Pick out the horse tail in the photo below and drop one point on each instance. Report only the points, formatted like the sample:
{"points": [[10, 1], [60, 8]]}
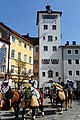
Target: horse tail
{"points": [[41, 97]]}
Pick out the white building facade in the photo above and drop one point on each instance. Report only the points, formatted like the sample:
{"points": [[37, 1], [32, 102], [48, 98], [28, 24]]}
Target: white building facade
{"points": [[71, 63], [49, 41]]}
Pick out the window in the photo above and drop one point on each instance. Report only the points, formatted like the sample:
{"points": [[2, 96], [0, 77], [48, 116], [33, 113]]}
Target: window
{"points": [[20, 42], [45, 61], [69, 51], [54, 61], [76, 61], [43, 37], [53, 27], [56, 74], [77, 72], [50, 38], [3, 69], [19, 70], [13, 39], [35, 61], [45, 48], [69, 61], [30, 59], [25, 45], [30, 48], [36, 49], [43, 74], [13, 53], [55, 38], [54, 48], [12, 68], [36, 74], [25, 58], [45, 27], [0, 35], [50, 74], [19, 56], [30, 70], [25, 71], [76, 51], [70, 73]]}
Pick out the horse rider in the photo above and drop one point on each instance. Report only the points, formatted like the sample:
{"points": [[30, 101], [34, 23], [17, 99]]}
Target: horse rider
{"points": [[70, 89], [33, 82], [34, 87], [60, 82], [67, 85], [6, 89]]}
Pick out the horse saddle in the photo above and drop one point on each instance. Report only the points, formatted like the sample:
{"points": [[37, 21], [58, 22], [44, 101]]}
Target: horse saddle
{"points": [[61, 95]]}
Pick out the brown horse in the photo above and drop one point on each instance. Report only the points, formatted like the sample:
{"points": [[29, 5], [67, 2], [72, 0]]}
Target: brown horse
{"points": [[14, 102]]}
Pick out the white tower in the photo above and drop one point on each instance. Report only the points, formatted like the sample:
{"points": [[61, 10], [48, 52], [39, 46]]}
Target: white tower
{"points": [[49, 40]]}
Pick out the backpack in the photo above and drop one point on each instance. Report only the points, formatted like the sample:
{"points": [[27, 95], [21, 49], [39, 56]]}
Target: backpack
{"points": [[28, 93]]}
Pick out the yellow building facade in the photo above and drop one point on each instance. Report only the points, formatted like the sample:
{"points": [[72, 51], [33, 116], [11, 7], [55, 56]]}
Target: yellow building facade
{"points": [[21, 54], [22, 51]]}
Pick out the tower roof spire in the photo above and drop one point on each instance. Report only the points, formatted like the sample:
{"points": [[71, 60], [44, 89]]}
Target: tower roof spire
{"points": [[47, 7]]}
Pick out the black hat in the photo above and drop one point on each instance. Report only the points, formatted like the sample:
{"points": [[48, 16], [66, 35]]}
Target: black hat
{"points": [[59, 78], [32, 75]]}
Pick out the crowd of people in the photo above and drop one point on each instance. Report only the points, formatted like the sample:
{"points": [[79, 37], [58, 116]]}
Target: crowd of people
{"points": [[68, 85], [32, 84], [6, 88]]}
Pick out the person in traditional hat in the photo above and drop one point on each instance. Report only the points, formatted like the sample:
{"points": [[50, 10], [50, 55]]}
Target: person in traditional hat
{"points": [[60, 82], [67, 84], [35, 94], [33, 82], [6, 89]]}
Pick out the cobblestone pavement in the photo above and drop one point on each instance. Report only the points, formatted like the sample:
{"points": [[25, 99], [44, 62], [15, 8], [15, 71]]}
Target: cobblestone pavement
{"points": [[71, 114], [50, 113]]}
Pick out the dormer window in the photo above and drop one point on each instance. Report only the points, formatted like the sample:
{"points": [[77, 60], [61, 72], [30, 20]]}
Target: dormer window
{"points": [[13, 39], [20, 42]]}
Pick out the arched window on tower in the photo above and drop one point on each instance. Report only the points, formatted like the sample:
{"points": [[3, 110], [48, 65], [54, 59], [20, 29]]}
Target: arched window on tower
{"points": [[50, 74]]}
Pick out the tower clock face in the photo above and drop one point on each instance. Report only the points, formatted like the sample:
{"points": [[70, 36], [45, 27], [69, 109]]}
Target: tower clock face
{"points": [[49, 11]]}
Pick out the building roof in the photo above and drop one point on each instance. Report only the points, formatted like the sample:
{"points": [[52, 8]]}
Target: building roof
{"points": [[4, 40], [12, 31], [35, 40], [70, 46], [47, 13]]}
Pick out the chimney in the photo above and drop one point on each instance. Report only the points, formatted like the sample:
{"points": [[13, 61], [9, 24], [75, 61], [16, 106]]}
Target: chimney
{"points": [[73, 42], [67, 43], [27, 34]]}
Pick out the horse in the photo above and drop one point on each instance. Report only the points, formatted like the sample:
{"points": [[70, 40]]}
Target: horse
{"points": [[33, 102], [59, 95], [70, 96], [14, 102]]}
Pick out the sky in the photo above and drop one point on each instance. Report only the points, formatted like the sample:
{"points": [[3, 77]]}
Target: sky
{"points": [[20, 15]]}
